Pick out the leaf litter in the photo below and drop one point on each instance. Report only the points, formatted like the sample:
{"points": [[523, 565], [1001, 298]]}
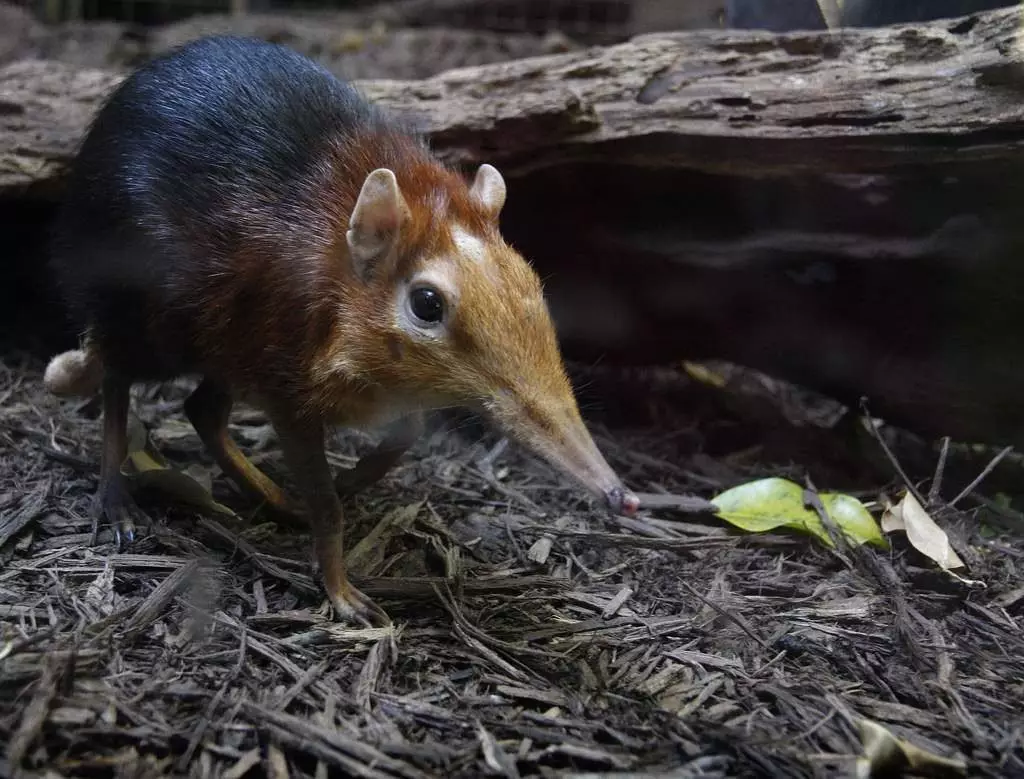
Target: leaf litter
{"points": [[533, 635]]}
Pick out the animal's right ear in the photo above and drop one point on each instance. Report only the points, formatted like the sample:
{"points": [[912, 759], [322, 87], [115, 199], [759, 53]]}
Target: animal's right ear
{"points": [[376, 222]]}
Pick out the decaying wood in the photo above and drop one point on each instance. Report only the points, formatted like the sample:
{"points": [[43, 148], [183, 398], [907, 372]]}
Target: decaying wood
{"points": [[844, 101], [582, 19], [838, 209]]}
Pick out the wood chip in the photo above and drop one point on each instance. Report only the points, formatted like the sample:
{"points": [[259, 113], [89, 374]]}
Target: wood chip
{"points": [[497, 760], [617, 602], [247, 761]]}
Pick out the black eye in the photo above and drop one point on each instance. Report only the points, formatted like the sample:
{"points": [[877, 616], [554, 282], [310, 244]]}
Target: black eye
{"points": [[427, 304]]}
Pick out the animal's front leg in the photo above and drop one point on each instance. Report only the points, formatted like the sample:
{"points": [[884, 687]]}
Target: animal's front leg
{"points": [[302, 442], [374, 466]]}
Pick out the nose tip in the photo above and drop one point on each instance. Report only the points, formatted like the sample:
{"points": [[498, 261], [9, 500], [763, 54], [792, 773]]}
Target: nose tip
{"points": [[622, 501]]}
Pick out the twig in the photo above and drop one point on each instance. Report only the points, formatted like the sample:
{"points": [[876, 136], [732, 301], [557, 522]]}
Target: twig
{"points": [[888, 453], [14, 647], [486, 463], [34, 714], [324, 718], [741, 623], [424, 587], [641, 542], [310, 676], [330, 745], [993, 463], [202, 725], [381, 654], [300, 582], [842, 546], [464, 629], [686, 504], [243, 765], [78, 463], [1004, 512], [323, 689], [31, 507], [940, 469], [153, 606], [242, 643]]}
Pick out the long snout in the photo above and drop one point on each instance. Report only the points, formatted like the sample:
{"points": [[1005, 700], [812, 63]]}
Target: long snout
{"points": [[557, 434], [574, 452]]}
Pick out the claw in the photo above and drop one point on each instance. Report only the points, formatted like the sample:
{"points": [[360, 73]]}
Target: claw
{"points": [[351, 605], [124, 534], [113, 504]]}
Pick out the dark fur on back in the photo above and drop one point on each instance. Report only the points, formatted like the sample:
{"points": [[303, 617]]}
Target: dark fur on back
{"points": [[197, 223]]}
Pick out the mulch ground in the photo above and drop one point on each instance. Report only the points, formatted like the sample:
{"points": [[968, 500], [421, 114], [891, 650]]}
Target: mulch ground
{"points": [[533, 635]]}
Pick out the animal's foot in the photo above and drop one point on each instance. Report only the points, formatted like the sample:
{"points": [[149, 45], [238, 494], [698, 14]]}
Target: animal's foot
{"points": [[114, 504], [351, 605]]}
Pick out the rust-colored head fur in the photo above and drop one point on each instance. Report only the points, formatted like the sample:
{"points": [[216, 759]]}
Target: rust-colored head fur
{"points": [[439, 311]]}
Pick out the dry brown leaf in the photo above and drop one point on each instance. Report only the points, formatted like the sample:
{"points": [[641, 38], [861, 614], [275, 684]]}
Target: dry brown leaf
{"points": [[147, 469], [927, 537], [887, 755]]}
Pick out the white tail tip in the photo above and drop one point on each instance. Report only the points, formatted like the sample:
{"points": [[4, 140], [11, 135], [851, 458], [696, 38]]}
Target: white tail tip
{"points": [[77, 372]]}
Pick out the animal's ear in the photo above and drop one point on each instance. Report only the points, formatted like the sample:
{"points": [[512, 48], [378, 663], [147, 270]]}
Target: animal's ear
{"points": [[488, 190], [376, 222]]}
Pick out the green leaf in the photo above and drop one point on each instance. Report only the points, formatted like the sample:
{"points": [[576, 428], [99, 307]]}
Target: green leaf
{"points": [[853, 519], [767, 504], [147, 469], [179, 487]]}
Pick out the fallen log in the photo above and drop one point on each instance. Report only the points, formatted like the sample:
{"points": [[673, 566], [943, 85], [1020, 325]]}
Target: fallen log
{"points": [[837, 209]]}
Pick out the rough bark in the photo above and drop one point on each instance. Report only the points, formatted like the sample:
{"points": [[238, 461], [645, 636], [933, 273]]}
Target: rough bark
{"points": [[593, 21], [714, 100], [837, 209]]}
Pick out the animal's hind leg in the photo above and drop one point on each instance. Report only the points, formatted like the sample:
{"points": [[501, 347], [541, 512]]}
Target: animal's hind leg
{"points": [[208, 409], [113, 500]]}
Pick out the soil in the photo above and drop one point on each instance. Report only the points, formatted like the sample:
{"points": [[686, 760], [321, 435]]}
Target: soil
{"points": [[533, 634]]}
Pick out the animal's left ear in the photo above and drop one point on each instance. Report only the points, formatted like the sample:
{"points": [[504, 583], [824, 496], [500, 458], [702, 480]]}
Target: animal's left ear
{"points": [[488, 190]]}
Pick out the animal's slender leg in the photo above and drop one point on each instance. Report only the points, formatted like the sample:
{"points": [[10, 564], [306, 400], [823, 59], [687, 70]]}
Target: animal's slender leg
{"points": [[208, 409], [375, 465], [113, 500], [302, 442]]}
